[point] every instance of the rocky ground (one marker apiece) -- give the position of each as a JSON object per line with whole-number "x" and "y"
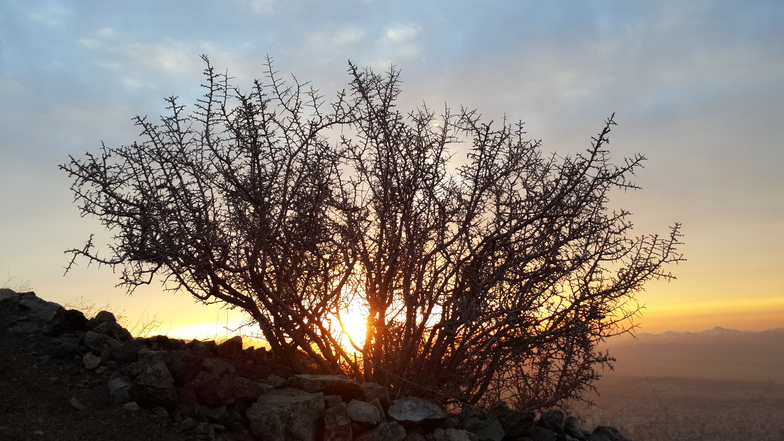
{"x": 64, "y": 377}
{"x": 43, "y": 398}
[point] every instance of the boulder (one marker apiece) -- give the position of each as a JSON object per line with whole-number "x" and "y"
{"x": 230, "y": 348}
{"x": 154, "y": 385}
{"x": 113, "y": 330}
{"x": 453, "y": 434}
{"x": 127, "y": 351}
{"x": 119, "y": 388}
{"x": 468, "y": 411}
{"x": 415, "y": 410}
{"x": 363, "y": 413}
{"x": 553, "y": 420}
{"x": 38, "y": 308}
{"x": 337, "y": 424}
{"x": 67, "y": 348}
{"x": 98, "y": 342}
{"x": 372, "y": 391}
{"x": 391, "y": 431}
{"x": 287, "y": 415}
{"x": 611, "y": 433}
{"x": 185, "y": 365}
{"x": 484, "y": 430}
{"x": 539, "y": 433}
{"x": 91, "y": 361}
{"x": 249, "y": 390}
{"x": 217, "y": 388}
{"x": 516, "y": 423}
{"x": 328, "y": 384}
{"x": 572, "y": 428}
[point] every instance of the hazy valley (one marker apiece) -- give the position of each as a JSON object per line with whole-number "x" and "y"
{"x": 719, "y": 384}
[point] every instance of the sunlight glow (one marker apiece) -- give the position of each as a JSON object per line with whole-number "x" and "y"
{"x": 353, "y": 323}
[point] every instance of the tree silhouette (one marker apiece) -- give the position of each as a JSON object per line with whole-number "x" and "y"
{"x": 486, "y": 269}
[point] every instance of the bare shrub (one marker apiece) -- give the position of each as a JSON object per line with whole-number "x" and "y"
{"x": 486, "y": 274}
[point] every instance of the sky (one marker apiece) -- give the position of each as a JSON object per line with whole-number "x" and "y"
{"x": 697, "y": 87}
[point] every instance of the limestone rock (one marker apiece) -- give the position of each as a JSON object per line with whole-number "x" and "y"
{"x": 76, "y": 404}
{"x": 127, "y": 351}
{"x": 372, "y": 391}
{"x": 572, "y": 428}
{"x": 91, "y": 361}
{"x": 337, "y": 424}
{"x": 415, "y": 410}
{"x": 245, "y": 389}
{"x": 611, "y": 433}
{"x": 154, "y": 385}
{"x": 287, "y": 415}
{"x": 553, "y": 420}
{"x": 230, "y": 348}
{"x": 119, "y": 389}
{"x": 539, "y": 433}
{"x": 516, "y": 423}
{"x": 114, "y": 330}
{"x": 363, "y": 413}
{"x": 328, "y": 384}
{"x": 451, "y": 434}
{"x": 98, "y": 342}
{"x": 39, "y": 308}
{"x": 485, "y": 430}
{"x": 217, "y": 388}
{"x": 391, "y": 431}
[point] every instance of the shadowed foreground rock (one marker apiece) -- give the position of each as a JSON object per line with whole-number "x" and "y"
{"x": 208, "y": 391}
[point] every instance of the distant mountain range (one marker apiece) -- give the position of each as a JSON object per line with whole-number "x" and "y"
{"x": 715, "y": 354}
{"x": 718, "y": 331}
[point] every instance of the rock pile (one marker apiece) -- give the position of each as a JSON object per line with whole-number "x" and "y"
{"x": 224, "y": 391}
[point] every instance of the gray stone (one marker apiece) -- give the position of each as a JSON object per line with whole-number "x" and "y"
{"x": 553, "y": 420}
{"x": 98, "y": 342}
{"x": 127, "y": 351}
{"x": 572, "y": 428}
{"x": 516, "y": 423}
{"x": 277, "y": 382}
{"x": 131, "y": 407}
{"x": 415, "y": 410}
{"x": 611, "y": 433}
{"x": 363, "y": 413}
{"x": 230, "y": 348}
{"x": 39, "y": 308}
{"x": 333, "y": 400}
{"x": 76, "y": 404}
{"x": 391, "y": 431}
{"x": 217, "y": 388}
{"x": 371, "y": 391}
{"x": 154, "y": 385}
{"x": 119, "y": 389}
{"x": 245, "y": 389}
{"x": 469, "y": 411}
{"x": 100, "y": 318}
{"x": 91, "y": 361}
{"x": 457, "y": 435}
{"x": 328, "y": 384}
{"x": 337, "y": 424}
{"x": 114, "y": 330}
{"x": 541, "y": 434}
{"x": 489, "y": 430}
{"x": 286, "y": 414}
{"x": 9, "y": 297}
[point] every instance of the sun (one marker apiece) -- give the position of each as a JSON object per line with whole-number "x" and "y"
{"x": 353, "y": 323}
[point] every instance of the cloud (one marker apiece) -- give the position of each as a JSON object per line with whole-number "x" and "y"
{"x": 399, "y": 34}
